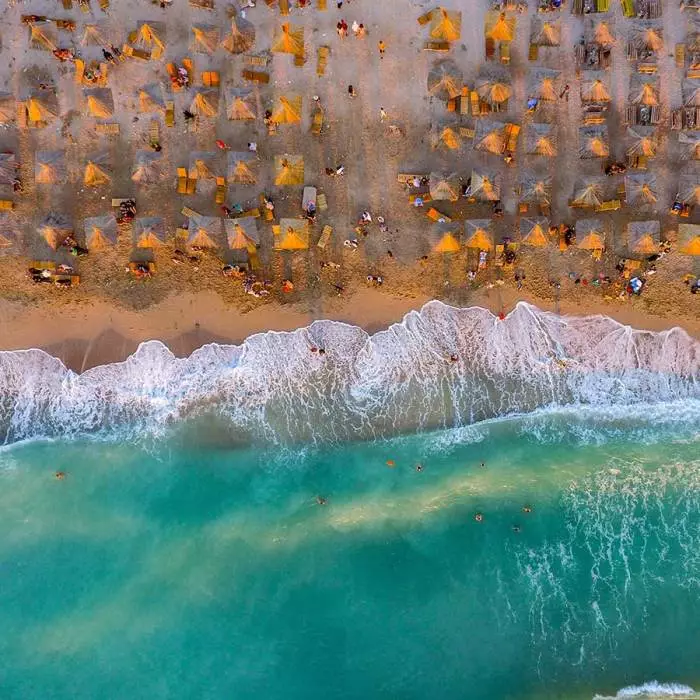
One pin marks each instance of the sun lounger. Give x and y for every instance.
(67, 4)
(609, 205)
(317, 122)
(154, 132)
(169, 113)
(321, 203)
(533, 52)
(104, 5)
(189, 213)
(435, 215)
(325, 238)
(6, 205)
(424, 19)
(504, 52)
(322, 59)
(406, 178)
(66, 280)
(322, 5)
(220, 196)
(202, 4)
(255, 76)
(299, 60)
(111, 129)
(211, 78)
(182, 180)
(261, 61)
(84, 6)
(284, 7)
(192, 184)
(489, 48)
(21, 114)
(439, 46)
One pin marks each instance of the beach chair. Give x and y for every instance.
(322, 5)
(489, 48)
(67, 4)
(533, 52)
(169, 113)
(424, 19)
(202, 4)
(255, 76)
(437, 46)
(21, 114)
(325, 238)
(104, 5)
(322, 59)
(609, 205)
(317, 122)
(79, 70)
(321, 203)
(182, 180)
(6, 205)
(284, 7)
(476, 103)
(260, 61)
(84, 6)
(434, 215)
(220, 196)
(192, 184)
(110, 129)
(211, 78)
(504, 52)
(299, 60)
(189, 213)
(154, 132)
(255, 213)
(66, 280)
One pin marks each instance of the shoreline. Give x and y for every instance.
(97, 333)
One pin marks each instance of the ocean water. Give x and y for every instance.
(185, 553)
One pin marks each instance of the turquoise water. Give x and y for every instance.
(180, 571)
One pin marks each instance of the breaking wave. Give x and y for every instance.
(441, 367)
(652, 690)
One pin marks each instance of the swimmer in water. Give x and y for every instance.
(321, 500)
(478, 517)
(516, 528)
(419, 467)
(483, 464)
(527, 509)
(390, 463)
(60, 475)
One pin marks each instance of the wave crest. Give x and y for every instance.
(440, 367)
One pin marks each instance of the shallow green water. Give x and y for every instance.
(185, 573)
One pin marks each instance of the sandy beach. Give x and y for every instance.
(185, 300)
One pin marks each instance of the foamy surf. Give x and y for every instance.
(652, 690)
(441, 367)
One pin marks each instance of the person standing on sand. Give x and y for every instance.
(382, 114)
(382, 48)
(351, 91)
(355, 27)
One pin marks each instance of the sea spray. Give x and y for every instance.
(440, 367)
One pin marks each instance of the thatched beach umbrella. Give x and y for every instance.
(99, 103)
(534, 188)
(205, 103)
(148, 167)
(690, 90)
(490, 137)
(100, 231)
(8, 108)
(643, 237)
(590, 234)
(289, 170)
(534, 232)
(444, 238)
(8, 168)
(593, 142)
(150, 37)
(499, 27)
(645, 91)
(689, 142)
(287, 110)
(204, 232)
(41, 108)
(689, 239)
(291, 234)
(42, 37)
(50, 168)
(289, 39)
(478, 233)
(589, 193)
(648, 38)
(97, 170)
(205, 38)
(641, 189)
(594, 88)
(448, 137)
(54, 229)
(444, 186)
(495, 92)
(445, 80)
(241, 38)
(540, 140)
(93, 35)
(445, 25)
(149, 232)
(602, 35)
(689, 188)
(643, 141)
(203, 165)
(241, 104)
(486, 185)
(242, 234)
(544, 85)
(547, 33)
(150, 98)
(242, 168)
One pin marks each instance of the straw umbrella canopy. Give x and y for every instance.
(534, 232)
(150, 98)
(8, 168)
(499, 27)
(645, 91)
(541, 140)
(448, 137)
(589, 193)
(602, 35)
(690, 90)
(594, 142)
(535, 188)
(97, 170)
(643, 237)
(148, 167)
(486, 185)
(7, 108)
(490, 137)
(241, 38)
(99, 103)
(289, 170)
(242, 168)
(205, 38)
(689, 188)
(93, 35)
(291, 234)
(287, 110)
(641, 189)
(444, 186)
(149, 232)
(204, 232)
(242, 234)
(649, 38)
(445, 25)
(494, 92)
(54, 229)
(241, 104)
(50, 168)
(41, 109)
(590, 234)
(689, 239)
(594, 88)
(690, 145)
(643, 141)
(478, 233)
(150, 36)
(42, 37)
(445, 80)
(547, 33)
(202, 165)
(205, 103)
(289, 39)
(543, 85)
(100, 231)
(444, 238)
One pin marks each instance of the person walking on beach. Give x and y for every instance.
(382, 114)
(351, 91)
(382, 48)
(355, 27)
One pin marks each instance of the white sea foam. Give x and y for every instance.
(650, 690)
(273, 388)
